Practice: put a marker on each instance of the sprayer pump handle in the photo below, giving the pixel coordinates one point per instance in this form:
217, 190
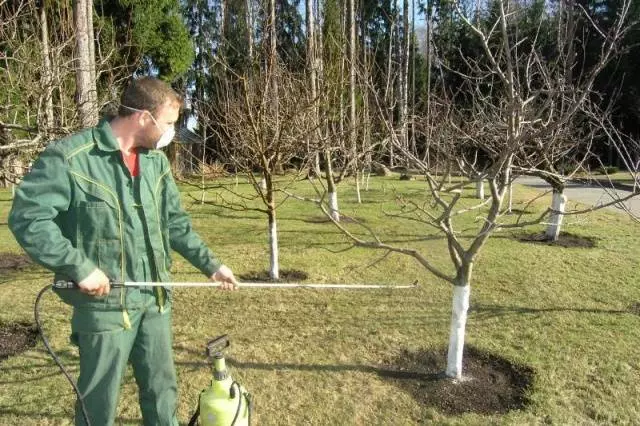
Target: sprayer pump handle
217, 345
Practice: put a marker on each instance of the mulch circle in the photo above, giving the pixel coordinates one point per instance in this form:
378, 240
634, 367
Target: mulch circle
10, 262
16, 338
490, 384
565, 239
286, 276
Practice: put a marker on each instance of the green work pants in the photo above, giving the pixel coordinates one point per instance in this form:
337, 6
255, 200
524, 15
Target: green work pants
106, 346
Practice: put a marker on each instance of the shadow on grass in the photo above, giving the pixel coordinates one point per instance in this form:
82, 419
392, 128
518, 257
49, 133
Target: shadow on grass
494, 311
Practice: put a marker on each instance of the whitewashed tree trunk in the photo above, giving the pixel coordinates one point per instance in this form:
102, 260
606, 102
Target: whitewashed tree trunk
510, 204
558, 204
204, 159
480, 189
458, 323
333, 206
263, 184
331, 187
358, 197
274, 271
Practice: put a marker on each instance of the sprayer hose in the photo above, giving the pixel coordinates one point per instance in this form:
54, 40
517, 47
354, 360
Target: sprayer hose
36, 311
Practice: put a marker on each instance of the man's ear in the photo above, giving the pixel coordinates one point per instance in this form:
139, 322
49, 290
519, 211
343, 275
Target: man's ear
142, 118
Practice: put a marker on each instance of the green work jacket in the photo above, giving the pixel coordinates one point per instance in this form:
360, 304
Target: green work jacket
79, 208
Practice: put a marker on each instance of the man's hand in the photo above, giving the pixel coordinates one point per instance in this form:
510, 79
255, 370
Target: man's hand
226, 278
96, 284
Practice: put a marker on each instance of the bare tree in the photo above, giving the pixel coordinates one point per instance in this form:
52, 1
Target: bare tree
517, 124
37, 95
262, 141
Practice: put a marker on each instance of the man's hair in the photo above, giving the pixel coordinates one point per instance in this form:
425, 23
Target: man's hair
147, 93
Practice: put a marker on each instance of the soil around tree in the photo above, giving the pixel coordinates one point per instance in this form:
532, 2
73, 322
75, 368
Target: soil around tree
490, 384
16, 338
286, 276
565, 239
11, 262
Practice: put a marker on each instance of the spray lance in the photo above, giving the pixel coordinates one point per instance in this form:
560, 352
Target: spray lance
225, 402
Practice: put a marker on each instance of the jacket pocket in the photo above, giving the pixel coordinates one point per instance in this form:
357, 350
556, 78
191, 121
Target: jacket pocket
97, 211
97, 220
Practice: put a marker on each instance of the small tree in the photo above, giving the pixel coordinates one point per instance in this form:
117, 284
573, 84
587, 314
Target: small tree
262, 141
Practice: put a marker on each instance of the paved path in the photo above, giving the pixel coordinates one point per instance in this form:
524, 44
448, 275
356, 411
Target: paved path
587, 194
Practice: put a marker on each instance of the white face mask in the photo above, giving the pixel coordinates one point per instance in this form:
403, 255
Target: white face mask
166, 137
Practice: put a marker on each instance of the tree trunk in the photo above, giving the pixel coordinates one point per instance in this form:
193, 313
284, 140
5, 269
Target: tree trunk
331, 187
273, 69
328, 165
86, 108
47, 72
333, 206
460, 307
250, 32
352, 95
558, 204
203, 167
274, 267
92, 58
414, 148
480, 189
427, 153
404, 77
312, 64
389, 93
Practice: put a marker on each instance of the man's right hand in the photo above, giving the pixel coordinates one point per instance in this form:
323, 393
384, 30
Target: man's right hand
96, 284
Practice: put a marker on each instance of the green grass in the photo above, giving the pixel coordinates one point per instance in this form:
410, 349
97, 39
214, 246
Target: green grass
309, 357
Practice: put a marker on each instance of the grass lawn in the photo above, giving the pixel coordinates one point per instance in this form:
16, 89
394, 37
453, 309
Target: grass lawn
314, 356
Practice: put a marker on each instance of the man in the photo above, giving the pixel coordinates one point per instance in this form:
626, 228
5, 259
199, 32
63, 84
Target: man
102, 205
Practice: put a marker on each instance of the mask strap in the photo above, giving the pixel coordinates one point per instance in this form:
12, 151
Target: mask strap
143, 110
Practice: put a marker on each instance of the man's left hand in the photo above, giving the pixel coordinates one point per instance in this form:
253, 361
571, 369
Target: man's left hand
225, 277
